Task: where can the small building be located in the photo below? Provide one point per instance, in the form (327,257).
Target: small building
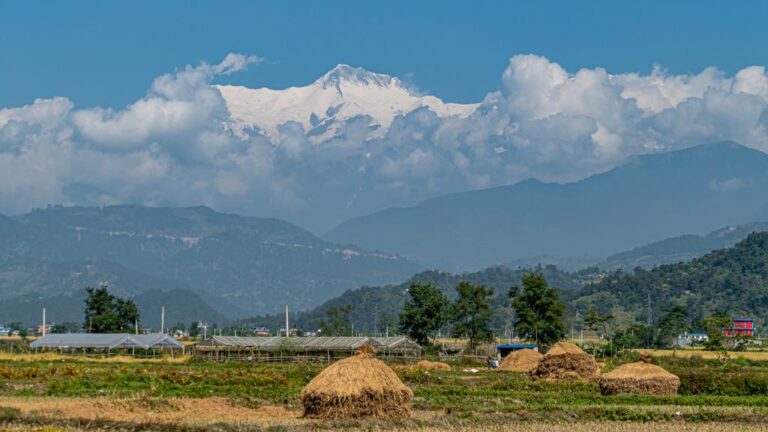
(689,339)
(261,331)
(505,349)
(5,331)
(291,333)
(741,327)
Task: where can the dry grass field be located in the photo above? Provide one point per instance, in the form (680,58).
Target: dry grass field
(706,355)
(39,391)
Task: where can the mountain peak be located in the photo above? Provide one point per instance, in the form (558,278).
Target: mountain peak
(346,74)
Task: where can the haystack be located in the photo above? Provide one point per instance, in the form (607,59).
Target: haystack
(640,377)
(566,361)
(360,386)
(426,364)
(524,360)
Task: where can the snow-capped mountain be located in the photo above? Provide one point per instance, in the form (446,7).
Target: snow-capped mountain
(341,94)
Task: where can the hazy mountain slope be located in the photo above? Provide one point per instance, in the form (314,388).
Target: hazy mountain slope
(734,280)
(181,305)
(373,308)
(680,248)
(254,263)
(651,198)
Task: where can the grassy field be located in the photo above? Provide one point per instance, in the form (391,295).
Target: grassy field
(181,394)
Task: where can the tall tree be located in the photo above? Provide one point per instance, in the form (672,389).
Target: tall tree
(715,327)
(538,310)
(596,321)
(424,313)
(336,322)
(672,323)
(471,313)
(106,313)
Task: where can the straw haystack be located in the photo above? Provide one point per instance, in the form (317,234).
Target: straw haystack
(524,360)
(426,364)
(640,377)
(566,361)
(360,386)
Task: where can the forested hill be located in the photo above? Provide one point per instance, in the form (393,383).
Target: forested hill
(373,308)
(734,280)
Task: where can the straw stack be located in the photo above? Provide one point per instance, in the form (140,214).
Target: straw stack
(360,386)
(566,361)
(524,360)
(426,364)
(640,377)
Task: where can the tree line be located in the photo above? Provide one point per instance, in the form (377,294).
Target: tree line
(538,312)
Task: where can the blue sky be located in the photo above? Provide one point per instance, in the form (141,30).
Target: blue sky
(106,102)
(106,53)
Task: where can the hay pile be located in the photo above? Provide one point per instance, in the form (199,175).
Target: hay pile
(640,377)
(360,386)
(426,364)
(524,360)
(566,361)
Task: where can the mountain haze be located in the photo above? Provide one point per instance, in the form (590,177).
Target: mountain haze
(680,248)
(241,265)
(651,198)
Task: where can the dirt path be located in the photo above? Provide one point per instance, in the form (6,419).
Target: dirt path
(188,412)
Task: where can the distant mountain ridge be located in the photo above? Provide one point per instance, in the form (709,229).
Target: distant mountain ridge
(373,308)
(651,198)
(680,248)
(734,280)
(256,264)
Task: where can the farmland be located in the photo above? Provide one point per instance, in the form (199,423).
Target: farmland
(182,394)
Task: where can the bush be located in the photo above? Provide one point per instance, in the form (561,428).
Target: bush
(722,381)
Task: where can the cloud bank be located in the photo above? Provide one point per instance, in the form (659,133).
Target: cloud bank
(174,146)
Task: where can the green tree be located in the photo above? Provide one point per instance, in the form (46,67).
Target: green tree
(673,322)
(193,329)
(471,313)
(19,327)
(106,313)
(424,313)
(336,322)
(538,310)
(66,327)
(635,336)
(596,321)
(715,327)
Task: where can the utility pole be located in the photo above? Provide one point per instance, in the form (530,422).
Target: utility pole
(43,322)
(136,327)
(162,319)
(287,328)
(649,309)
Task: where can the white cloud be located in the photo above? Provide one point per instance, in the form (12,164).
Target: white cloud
(173,146)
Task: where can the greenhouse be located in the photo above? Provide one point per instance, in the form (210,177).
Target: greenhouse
(106,341)
(287,349)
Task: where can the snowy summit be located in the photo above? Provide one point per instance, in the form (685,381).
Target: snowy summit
(341,94)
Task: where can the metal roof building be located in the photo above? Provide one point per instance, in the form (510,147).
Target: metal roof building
(278,343)
(158,341)
(105,341)
(277,348)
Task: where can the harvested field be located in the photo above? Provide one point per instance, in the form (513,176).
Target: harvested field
(360,386)
(195,412)
(524,360)
(566,361)
(54,357)
(707,355)
(641,378)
